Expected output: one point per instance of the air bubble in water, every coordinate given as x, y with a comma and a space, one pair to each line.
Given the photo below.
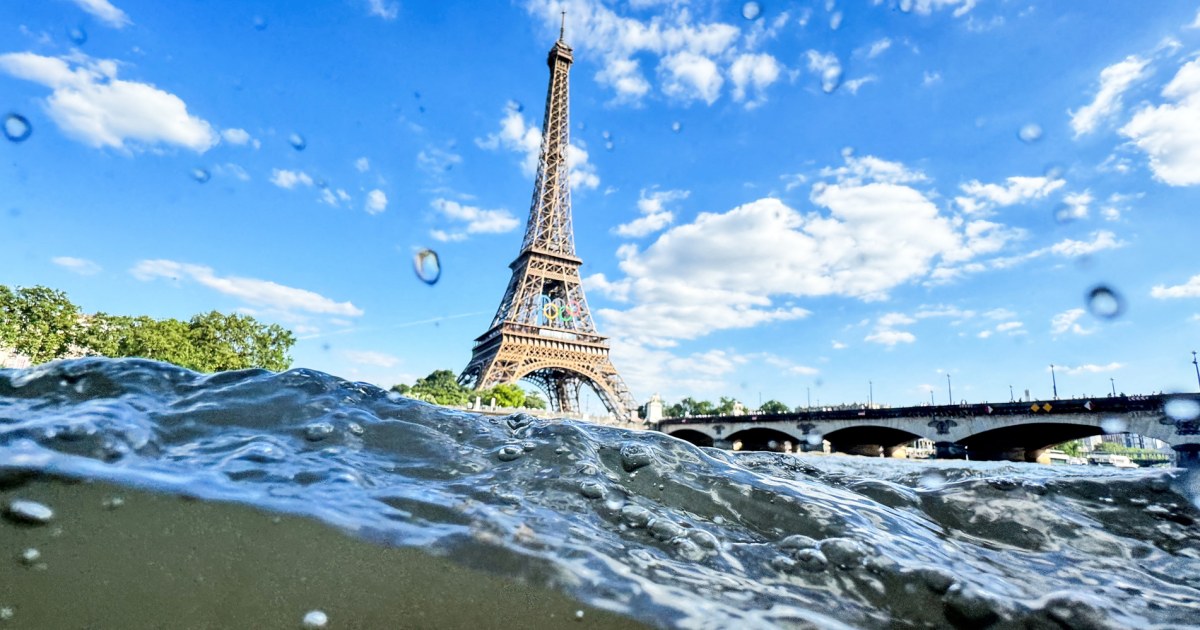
751, 10
78, 36
1184, 409
427, 265
30, 556
1104, 302
17, 127
1030, 133
318, 431
509, 452
297, 141
201, 175
1114, 424
315, 619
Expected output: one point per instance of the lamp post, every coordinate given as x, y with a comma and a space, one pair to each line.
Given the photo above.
1011, 397
1114, 386
1054, 381
931, 403
871, 394
808, 397
949, 392
1197, 366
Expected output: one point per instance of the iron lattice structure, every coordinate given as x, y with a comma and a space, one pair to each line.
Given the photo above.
543, 330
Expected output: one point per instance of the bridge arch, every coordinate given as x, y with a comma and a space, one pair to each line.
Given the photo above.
693, 436
1024, 442
563, 393
870, 440
764, 439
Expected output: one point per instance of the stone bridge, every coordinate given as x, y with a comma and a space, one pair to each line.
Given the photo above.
1013, 431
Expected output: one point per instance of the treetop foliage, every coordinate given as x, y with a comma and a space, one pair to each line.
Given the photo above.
44, 324
442, 387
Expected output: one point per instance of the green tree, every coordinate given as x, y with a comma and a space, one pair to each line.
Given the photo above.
441, 387
534, 400
1074, 448
506, 395
773, 406
38, 322
235, 342
726, 406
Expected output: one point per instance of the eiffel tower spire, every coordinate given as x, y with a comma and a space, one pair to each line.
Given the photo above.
543, 330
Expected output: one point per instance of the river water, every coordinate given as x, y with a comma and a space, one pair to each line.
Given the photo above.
575, 524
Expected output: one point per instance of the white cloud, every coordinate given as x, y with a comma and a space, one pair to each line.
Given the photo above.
1068, 321
1088, 368
837, 345
1169, 134
1196, 22
757, 71
930, 78
371, 357
926, 7
477, 220
80, 266
1009, 327
688, 76
362, 164
1189, 289
1075, 206
436, 161
853, 84
290, 179
1070, 248
827, 67
376, 202
232, 170
333, 197
685, 51
442, 236
92, 105
236, 136
981, 199
869, 168
383, 9
878, 47
518, 136
249, 290
104, 11
890, 337
655, 215
1115, 80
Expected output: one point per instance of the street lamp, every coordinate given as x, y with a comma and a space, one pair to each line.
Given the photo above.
949, 392
1197, 366
1114, 386
1011, 397
871, 394
1054, 381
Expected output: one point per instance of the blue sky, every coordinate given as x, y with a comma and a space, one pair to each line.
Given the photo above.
772, 200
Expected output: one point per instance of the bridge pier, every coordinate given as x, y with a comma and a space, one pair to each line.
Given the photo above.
949, 450
896, 452
1188, 456
866, 450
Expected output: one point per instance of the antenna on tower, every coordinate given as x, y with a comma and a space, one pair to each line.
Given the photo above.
563, 28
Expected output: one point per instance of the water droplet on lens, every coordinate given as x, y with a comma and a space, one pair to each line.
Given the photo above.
1054, 171
1185, 409
260, 23
29, 512
1114, 424
609, 145
201, 175
509, 452
17, 127
676, 127
427, 265
1105, 303
606, 135
1030, 133
751, 10
78, 35
315, 619
297, 141
815, 439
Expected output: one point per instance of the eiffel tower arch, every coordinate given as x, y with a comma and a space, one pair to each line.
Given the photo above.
543, 330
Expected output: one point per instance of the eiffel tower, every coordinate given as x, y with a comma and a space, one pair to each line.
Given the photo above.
543, 331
